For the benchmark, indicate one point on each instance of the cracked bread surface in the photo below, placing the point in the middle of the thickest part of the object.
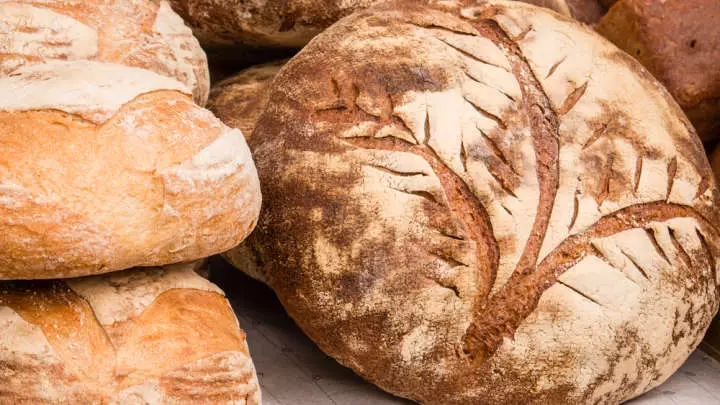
(138, 33)
(107, 167)
(463, 217)
(144, 336)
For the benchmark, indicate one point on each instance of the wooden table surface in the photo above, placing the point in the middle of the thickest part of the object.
(293, 371)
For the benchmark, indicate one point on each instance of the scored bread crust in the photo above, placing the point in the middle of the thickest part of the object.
(106, 167)
(239, 100)
(486, 204)
(137, 33)
(143, 336)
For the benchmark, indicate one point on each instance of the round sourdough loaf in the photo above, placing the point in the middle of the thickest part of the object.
(679, 43)
(144, 336)
(106, 167)
(136, 33)
(239, 100)
(486, 204)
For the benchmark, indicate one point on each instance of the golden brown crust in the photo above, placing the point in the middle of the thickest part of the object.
(463, 217)
(125, 171)
(136, 33)
(679, 43)
(239, 100)
(184, 345)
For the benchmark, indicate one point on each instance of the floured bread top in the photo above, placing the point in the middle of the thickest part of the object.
(107, 167)
(152, 336)
(135, 33)
(93, 90)
(239, 100)
(485, 202)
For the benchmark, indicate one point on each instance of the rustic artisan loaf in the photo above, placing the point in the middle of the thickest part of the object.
(144, 336)
(136, 33)
(282, 23)
(678, 41)
(486, 205)
(106, 167)
(239, 100)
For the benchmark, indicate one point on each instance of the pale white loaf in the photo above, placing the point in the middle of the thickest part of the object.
(138, 33)
(106, 167)
(138, 337)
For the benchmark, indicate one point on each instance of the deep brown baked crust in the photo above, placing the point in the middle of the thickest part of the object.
(144, 336)
(715, 161)
(463, 217)
(679, 43)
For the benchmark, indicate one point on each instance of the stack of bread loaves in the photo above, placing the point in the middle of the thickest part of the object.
(107, 163)
(467, 201)
(481, 202)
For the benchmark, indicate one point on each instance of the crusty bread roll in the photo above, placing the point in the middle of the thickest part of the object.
(282, 23)
(678, 41)
(239, 100)
(144, 336)
(137, 33)
(486, 204)
(106, 167)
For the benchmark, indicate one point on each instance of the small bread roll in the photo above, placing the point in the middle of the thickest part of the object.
(486, 203)
(238, 101)
(136, 33)
(148, 336)
(678, 41)
(106, 167)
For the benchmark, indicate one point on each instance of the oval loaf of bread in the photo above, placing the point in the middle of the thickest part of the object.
(148, 336)
(282, 23)
(136, 33)
(486, 203)
(239, 100)
(106, 167)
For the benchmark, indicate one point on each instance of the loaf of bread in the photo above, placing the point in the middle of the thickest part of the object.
(106, 167)
(150, 336)
(486, 204)
(137, 33)
(282, 23)
(239, 100)
(678, 41)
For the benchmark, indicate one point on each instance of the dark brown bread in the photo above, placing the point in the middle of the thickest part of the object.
(486, 204)
(678, 41)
